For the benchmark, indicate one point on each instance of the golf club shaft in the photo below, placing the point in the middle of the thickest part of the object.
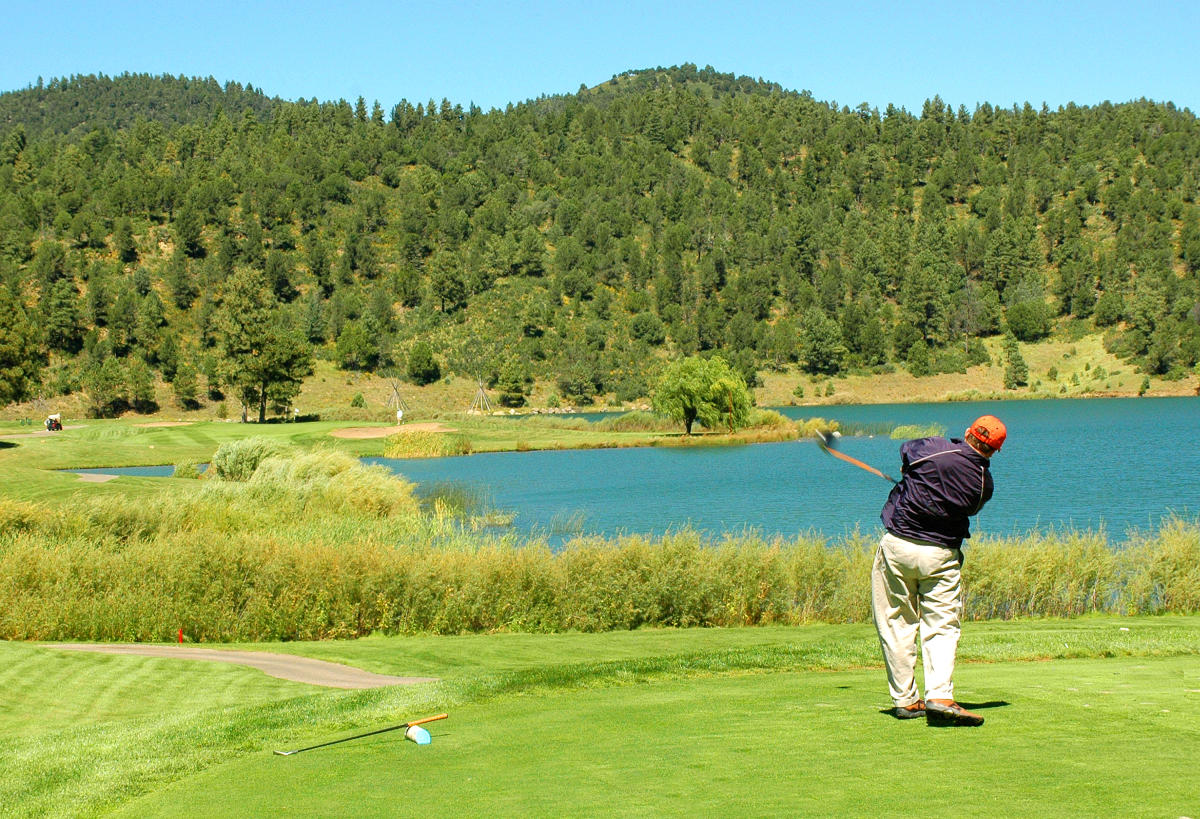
(421, 721)
(831, 451)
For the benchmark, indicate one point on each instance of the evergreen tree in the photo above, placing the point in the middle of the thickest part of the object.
(123, 242)
(279, 276)
(314, 319)
(514, 382)
(919, 360)
(821, 347)
(140, 386)
(357, 349)
(261, 355)
(1016, 371)
(105, 387)
(180, 281)
(21, 353)
(422, 366)
(63, 323)
(186, 386)
(187, 233)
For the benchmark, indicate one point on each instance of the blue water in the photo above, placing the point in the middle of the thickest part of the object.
(165, 471)
(1111, 464)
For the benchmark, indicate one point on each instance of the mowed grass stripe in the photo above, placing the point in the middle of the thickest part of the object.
(757, 744)
(48, 690)
(90, 768)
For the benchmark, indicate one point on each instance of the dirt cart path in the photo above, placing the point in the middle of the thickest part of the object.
(284, 666)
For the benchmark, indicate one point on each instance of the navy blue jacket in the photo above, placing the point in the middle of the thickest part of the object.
(943, 483)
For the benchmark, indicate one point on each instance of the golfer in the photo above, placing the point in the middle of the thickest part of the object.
(916, 582)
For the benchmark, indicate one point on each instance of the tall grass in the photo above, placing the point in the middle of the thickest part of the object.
(328, 577)
(315, 545)
(636, 421)
(426, 445)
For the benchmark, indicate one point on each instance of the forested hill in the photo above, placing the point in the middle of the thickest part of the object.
(149, 225)
(86, 103)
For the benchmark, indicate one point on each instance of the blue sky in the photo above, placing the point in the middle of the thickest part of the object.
(493, 53)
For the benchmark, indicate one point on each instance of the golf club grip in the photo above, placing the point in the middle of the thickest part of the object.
(424, 720)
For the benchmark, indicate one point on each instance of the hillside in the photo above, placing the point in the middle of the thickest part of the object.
(161, 237)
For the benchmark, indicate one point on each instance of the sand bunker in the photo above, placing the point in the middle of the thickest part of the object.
(96, 477)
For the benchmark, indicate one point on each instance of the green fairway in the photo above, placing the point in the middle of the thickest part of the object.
(1089, 716)
(1070, 738)
(28, 463)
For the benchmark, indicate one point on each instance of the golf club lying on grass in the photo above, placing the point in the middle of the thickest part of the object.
(414, 732)
(826, 443)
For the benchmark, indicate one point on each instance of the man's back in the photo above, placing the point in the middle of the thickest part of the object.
(944, 483)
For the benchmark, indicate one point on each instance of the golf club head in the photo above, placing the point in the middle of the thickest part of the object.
(418, 735)
(827, 440)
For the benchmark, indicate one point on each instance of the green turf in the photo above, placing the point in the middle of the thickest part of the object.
(28, 464)
(48, 690)
(1072, 738)
(551, 724)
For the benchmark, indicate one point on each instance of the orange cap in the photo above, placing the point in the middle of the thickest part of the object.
(990, 430)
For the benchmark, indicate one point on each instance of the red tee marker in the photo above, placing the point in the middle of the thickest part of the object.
(181, 636)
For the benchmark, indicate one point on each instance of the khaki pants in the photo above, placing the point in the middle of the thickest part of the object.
(917, 586)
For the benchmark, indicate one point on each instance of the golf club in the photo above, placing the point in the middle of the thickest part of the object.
(417, 738)
(826, 444)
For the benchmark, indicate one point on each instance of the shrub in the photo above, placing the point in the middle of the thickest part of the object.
(425, 445)
(423, 368)
(187, 470)
(1029, 320)
(638, 421)
(918, 359)
(977, 353)
(906, 432)
(767, 418)
(237, 460)
(334, 482)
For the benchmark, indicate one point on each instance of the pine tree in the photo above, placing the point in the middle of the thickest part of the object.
(64, 325)
(1016, 372)
(261, 355)
(140, 386)
(123, 242)
(21, 353)
(186, 385)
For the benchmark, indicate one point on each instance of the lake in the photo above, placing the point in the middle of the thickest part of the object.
(1111, 464)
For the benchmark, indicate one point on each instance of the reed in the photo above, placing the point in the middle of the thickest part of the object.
(636, 421)
(426, 445)
(314, 545)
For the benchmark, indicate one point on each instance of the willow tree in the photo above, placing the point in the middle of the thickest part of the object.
(707, 390)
